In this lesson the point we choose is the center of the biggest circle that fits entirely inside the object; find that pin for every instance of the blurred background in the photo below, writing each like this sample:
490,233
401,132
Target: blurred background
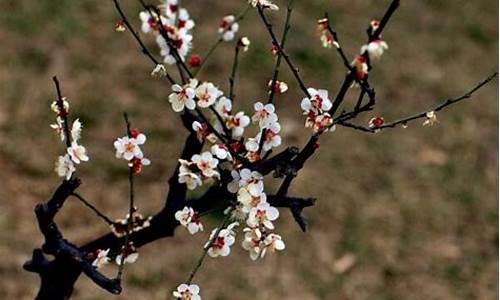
403,214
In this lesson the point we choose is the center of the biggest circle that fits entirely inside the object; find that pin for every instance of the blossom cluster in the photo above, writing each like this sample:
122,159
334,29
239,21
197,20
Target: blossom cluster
75,153
256,212
201,167
316,109
128,148
228,27
269,128
327,39
172,27
371,51
102,257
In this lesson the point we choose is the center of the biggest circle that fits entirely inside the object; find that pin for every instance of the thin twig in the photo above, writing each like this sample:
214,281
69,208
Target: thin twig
131,208
276,43
232,78
93,208
205,249
135,34
63,113
420,115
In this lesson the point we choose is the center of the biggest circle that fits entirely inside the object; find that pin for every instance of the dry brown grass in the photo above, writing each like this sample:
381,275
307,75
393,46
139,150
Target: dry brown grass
417,208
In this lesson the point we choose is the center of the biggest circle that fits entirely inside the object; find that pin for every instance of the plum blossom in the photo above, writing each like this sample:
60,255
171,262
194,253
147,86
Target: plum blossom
327,39
250,198
244,43
187,292
431,118
264,3
221,245
101,259
262,214
120,26
149,21
251,179
321,123
131,255
183,96
180,39
55,106
224,106
175,23
187,176
59,128
237,124
76,130
207,93
318,102
128,147
272,242
65,167
206,163
375,49
361,66
189,219
264,114
78,153
221,152
252,242
184,21
279,86
159,71
202,132
228,28
316,110
271,137
129,259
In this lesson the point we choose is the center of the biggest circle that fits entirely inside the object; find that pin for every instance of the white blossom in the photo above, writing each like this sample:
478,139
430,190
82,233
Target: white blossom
206,163
318,101
59,128
183,96
263,214
187,176
65,167
272,242
252,242
189,219
244,42
101,259
207,93
77,153
264,114
187,292
221,151
159,71
221,245
55,106
76,130
228,28
375,49
129,259
224,106
237,124
264,4
128,147
250,198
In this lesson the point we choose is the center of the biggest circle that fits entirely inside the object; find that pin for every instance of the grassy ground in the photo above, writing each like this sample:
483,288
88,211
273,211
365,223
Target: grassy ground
415,210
